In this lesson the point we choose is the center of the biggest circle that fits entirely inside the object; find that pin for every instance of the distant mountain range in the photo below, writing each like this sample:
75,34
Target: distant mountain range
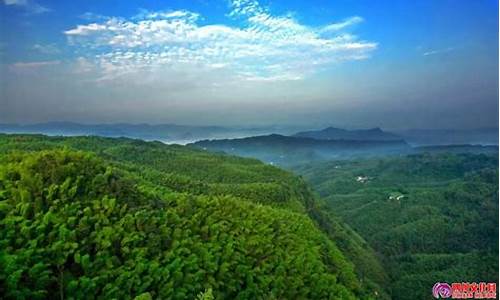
416,137
332,133
173,133
161,132
425,137
287,150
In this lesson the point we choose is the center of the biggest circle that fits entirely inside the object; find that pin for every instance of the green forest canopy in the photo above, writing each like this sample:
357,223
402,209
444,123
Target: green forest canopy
432,218
89,217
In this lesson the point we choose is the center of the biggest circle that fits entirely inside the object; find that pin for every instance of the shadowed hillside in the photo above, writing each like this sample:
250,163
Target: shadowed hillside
287,150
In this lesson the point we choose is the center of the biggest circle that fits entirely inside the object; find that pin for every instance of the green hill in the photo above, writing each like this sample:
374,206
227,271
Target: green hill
89,217
431,217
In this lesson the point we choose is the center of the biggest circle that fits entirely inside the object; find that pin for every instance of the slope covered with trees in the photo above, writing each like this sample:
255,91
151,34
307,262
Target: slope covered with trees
89,217
431,217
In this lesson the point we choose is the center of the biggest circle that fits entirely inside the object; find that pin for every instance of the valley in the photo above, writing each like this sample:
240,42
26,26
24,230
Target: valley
430,217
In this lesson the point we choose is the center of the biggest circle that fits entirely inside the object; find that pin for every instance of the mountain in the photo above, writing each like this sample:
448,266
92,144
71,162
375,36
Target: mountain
427,137
118,218
170,133
286,150
331,133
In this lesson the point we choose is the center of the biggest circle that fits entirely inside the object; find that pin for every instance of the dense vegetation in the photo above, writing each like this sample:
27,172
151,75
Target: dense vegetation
89,217
431,217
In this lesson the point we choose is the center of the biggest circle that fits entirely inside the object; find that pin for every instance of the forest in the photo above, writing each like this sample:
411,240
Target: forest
103,218
429,217
118,218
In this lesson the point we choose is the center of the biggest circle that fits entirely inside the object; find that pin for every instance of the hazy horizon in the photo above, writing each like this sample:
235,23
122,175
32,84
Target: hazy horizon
249,126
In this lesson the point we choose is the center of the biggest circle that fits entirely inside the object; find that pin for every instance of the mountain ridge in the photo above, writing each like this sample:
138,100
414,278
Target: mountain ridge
333,133
283,150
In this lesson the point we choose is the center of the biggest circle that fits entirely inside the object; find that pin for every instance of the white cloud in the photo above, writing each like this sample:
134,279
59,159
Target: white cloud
30,6
15,2
438,51
245,8
145,14
267,47
85,29
334,27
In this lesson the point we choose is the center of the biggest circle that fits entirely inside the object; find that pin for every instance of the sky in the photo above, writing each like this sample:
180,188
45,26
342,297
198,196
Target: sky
354,64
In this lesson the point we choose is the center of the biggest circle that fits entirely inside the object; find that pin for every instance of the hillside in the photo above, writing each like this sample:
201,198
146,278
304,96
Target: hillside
332,133
427,137
465,148
117,218
286,150
431,217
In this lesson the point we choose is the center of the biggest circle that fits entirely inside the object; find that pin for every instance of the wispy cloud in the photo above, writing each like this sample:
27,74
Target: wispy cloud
86,29
35,64
46,48
31,7
32,66
334,27
158,15
89,16
245,8
438,51
265,47
82,65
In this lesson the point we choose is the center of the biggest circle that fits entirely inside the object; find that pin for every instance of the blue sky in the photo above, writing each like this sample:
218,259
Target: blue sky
394,64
